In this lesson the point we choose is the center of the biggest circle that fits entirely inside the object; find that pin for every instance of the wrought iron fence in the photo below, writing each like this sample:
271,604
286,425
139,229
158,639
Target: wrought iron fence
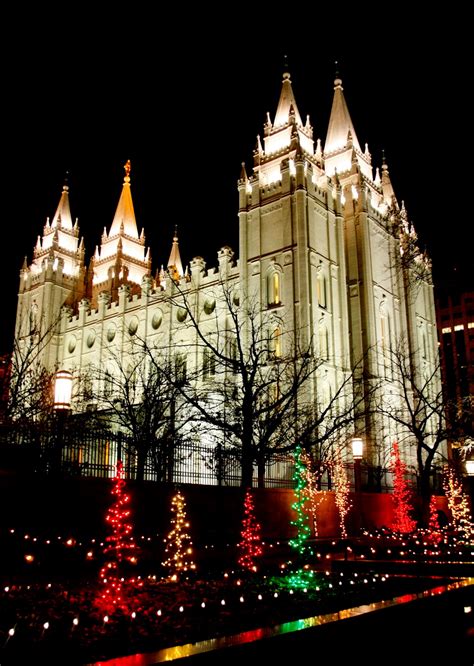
52,448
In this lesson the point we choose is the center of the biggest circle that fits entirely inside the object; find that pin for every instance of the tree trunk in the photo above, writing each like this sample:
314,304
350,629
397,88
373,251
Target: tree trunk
247,471
425,492
261,473
141,460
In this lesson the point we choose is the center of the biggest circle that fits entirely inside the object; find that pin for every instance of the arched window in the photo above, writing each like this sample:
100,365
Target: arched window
321,287
276,338
323,341
208,364
385,340
274,288
180,368
108,384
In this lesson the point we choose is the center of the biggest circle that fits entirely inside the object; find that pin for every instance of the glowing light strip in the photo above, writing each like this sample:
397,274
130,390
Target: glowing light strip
180,651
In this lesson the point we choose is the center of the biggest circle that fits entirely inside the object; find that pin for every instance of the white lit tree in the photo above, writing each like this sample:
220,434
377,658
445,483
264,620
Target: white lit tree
179,545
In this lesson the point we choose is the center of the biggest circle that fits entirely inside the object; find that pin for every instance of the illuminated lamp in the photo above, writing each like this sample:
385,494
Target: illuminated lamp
62,390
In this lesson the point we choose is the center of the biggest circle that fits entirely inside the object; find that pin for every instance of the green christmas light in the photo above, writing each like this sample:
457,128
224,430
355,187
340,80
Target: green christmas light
303,530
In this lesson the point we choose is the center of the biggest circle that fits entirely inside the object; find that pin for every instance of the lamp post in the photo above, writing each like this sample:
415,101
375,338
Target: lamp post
357,451
469,465
61,406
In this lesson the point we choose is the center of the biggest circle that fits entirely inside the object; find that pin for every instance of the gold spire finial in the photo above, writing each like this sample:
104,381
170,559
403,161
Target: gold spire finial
128,167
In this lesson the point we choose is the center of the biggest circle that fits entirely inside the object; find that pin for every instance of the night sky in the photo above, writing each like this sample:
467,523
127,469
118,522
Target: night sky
98,91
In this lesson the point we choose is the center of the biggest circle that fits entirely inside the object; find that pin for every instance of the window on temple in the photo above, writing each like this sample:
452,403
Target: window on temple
274,288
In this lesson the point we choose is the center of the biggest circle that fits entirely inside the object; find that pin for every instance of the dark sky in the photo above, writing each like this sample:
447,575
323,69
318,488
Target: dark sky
100,90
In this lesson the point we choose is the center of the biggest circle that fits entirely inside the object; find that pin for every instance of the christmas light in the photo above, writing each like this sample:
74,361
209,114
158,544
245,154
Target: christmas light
119,548
316,497
401,494
342,485
303,531
458,504
435,535
250,546
178,541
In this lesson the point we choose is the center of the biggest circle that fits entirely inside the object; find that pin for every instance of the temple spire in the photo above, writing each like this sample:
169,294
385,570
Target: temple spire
125,214
340,123
122,251
387,187
287,100
62,215
175,265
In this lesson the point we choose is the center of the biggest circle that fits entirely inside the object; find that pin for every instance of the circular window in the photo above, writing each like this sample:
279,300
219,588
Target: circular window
181,314
72,344
156,319
111,333
91,339
209,306
133,325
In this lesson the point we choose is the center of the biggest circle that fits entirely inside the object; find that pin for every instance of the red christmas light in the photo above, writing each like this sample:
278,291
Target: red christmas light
401,494
250,546
433,527
119,548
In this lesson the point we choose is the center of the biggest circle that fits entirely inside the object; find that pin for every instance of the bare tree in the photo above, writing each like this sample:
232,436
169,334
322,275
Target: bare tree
136,393
253,381
415,403
29,382
327,421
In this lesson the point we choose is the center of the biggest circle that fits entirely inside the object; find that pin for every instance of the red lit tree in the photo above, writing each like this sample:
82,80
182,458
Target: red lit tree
250,546
433,527
178,541
119,549
401,494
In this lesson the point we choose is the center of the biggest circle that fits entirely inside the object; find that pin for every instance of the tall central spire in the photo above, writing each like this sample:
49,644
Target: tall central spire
122,255
125,214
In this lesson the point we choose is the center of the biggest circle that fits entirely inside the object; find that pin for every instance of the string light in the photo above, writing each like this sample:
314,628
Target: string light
458,504
401,494
178,541
119,548
316,497
303,531
342,485
435,535
250,546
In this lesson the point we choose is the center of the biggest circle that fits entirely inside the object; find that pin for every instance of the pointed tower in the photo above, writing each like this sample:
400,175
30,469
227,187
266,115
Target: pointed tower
175,266
342,146
122,257
54,278
290,240
283,137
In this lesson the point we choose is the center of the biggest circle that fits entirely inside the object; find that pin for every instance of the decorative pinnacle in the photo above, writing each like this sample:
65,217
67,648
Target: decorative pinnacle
175,237
286,68
66,182
337,76
128,167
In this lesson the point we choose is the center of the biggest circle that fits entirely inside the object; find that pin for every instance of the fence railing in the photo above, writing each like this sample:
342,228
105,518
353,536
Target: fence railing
94,453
